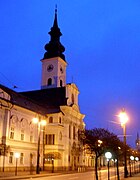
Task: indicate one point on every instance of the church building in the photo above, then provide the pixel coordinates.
(56, 145)
(138, 143)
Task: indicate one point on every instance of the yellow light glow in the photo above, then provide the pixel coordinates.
(132, 158)
(43, 122)
(99, 141)
(17, 155)
(108, 155)
(35, 120)
(123, 118)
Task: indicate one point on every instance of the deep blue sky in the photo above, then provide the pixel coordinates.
(102, 41)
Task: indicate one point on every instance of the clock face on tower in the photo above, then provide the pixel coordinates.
(50, 68)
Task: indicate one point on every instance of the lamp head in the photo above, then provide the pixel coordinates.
(35, 120)
(108, 155)
(131, 158)
(43, 122)
(123, 117)
(136, 158)
(17, 155)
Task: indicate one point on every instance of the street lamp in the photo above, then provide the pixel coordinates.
(123, 120)
(99, 143)
(132, 159)
(52, 165)
(17, 155)
(108, 155)
(40, 123)
(137, 159)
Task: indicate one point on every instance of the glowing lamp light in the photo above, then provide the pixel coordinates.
(17, 155)
(136, 158)
(43, 122)
(132, 158)
(123, 118)
(40, 122)
(35, 120)
(108, 155)
(100, 142)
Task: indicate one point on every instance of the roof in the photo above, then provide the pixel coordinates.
(23, 101)
(51, 98)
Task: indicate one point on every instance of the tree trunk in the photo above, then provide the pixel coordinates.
(96, 167)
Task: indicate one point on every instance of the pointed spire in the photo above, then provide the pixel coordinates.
(54, 48)
(55, 24)
(137, 136)
(55, 31)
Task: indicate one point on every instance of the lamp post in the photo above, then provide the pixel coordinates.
(123, 120)
(137, 159)
(108, 155)
(132, 159)
(52, 165)
(17, 155)
(40, 123)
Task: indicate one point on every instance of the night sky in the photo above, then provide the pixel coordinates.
(102, 41)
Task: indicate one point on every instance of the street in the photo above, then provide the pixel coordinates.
(103, 175)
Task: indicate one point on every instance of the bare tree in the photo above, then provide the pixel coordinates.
(99, 140)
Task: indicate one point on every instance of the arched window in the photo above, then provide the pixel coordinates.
(50, 119)
(49, 81)
(61, 83)
(72, 98)
(60, 120)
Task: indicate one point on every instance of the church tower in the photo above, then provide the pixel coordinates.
(138, 142)
(53, 62)
(60, 100)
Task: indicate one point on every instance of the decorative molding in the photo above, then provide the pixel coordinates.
(13, 119)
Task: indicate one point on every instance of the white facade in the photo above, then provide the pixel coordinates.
(17, 134)
(60, 147)
(53, 73)
(65, 126)
(20, 134)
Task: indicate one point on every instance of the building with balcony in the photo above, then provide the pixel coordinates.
(57, 103)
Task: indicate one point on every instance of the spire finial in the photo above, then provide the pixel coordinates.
(56, 9)
(54, 48)
(55, 19)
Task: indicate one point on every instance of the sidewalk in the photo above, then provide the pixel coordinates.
(27, 175)
(24, 175)
(134, 177)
